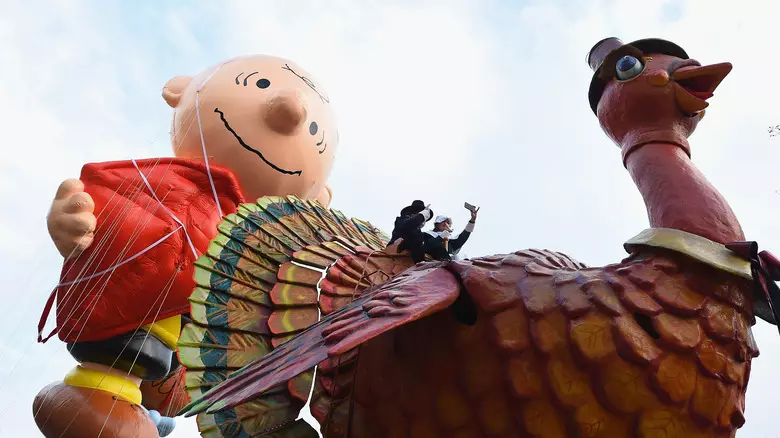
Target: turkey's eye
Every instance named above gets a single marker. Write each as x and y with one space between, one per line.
313 128
263 83
628 67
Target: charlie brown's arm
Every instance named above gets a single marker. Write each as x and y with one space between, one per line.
71 220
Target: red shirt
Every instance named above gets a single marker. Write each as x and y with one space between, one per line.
139 267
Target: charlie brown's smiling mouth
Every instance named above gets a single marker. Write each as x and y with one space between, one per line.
255 151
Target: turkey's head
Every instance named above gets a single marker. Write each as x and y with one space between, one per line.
650 91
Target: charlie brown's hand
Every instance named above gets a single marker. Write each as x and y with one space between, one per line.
71 220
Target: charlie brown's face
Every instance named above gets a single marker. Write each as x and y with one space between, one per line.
262 117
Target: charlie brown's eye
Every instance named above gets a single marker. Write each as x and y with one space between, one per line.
628 67
313 128
263 83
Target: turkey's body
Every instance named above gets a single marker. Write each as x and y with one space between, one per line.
657 346
529 344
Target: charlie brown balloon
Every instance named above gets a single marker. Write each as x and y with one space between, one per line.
262 117
130 232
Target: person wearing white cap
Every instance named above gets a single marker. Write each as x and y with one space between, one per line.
439 242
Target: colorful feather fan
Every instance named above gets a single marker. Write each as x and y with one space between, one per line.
273 268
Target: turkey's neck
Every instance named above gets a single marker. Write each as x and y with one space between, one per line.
677 195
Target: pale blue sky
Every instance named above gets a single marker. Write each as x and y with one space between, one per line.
490 97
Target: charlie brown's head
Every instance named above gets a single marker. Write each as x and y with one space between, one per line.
264 118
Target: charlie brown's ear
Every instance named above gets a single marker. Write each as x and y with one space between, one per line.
325 196
173 90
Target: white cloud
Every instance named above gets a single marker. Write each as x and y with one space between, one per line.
444 101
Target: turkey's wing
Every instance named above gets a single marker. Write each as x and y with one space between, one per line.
415 294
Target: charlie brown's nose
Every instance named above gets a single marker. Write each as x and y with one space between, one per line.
285 111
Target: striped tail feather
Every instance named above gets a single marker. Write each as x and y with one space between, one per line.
273 268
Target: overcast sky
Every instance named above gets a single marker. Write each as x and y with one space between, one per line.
445 101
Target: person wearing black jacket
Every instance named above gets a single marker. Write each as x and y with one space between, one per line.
408 226
438 243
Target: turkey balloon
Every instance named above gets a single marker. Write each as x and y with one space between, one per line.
531 343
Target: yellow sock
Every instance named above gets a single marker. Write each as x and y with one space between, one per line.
119 386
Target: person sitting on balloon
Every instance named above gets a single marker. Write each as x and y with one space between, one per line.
439 242
408 228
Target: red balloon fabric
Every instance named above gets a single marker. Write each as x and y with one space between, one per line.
152 215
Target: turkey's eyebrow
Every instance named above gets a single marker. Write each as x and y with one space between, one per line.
607 74
308 82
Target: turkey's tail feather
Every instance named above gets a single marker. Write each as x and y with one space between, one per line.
273 267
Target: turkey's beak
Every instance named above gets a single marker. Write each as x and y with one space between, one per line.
696 84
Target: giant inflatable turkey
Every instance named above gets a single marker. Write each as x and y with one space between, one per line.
527 344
